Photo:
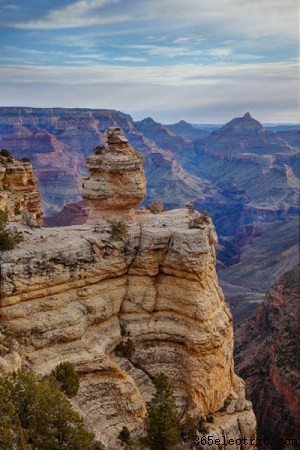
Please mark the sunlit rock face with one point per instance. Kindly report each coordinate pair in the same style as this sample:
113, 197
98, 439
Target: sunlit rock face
116, 183
18, 190
69, 293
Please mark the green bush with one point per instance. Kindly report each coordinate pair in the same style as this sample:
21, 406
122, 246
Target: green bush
9, 237
3, 217
201, 426
118, 230
17, 210
35, 415
4, 152
124, 436
123, 329
25, 159
198, 221
67, 378
6, 344
97, 445
125, 349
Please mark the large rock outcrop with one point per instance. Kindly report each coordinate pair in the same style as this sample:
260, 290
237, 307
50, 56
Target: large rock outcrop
18, 190
74, 294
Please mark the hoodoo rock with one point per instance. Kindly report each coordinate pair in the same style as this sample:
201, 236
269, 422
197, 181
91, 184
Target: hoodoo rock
116, 183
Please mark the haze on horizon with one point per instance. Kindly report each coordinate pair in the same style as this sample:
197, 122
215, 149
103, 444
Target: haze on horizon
198, 60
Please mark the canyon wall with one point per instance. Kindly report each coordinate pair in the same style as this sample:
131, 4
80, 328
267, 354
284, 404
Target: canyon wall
267, 357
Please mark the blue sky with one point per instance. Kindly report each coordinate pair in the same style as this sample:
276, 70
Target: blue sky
205, 61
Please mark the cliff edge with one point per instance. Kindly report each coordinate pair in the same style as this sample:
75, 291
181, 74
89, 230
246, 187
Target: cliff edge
75, 293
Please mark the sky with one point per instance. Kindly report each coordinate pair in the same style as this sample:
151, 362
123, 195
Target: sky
204, 61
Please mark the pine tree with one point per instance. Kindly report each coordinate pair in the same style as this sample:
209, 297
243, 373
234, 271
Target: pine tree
163, 431
36, 415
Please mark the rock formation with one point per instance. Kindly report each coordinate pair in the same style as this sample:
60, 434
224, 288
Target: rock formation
18, 190
75, 293
247, 175
267, 357
117, 181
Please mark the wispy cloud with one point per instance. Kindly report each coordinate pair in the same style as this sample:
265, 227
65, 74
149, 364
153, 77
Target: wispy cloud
234, 17
10, 6
79, 14
197, 93
129, 59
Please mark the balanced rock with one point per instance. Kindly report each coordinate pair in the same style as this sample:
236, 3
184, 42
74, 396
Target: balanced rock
116, 183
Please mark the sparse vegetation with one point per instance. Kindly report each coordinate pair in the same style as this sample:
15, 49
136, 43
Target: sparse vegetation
6, 344
3, 216
227, 402
17, 209
5, 153
198, 221
98, 446
124, 436
67, 378
36, 415
25, 160
201, 426
125, 349
9, 237
99, 150
163, 428
118, 230
123, 329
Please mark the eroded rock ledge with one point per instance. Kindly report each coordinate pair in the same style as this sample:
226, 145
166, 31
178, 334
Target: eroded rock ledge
18, 190
65, 292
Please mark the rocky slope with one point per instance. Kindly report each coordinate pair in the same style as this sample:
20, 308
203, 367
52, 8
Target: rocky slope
267, 357
76, 293
184, 129
18, 190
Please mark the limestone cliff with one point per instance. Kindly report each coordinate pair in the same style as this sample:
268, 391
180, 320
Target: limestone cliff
18, 190
69, 293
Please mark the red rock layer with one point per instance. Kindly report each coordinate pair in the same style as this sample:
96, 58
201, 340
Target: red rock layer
267, 357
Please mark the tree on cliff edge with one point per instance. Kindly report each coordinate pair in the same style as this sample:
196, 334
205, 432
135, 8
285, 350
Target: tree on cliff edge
36, 415
163, 428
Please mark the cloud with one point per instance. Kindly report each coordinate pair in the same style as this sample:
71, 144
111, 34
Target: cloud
129, 59
215, 94
238, 18
79, 14
10, 6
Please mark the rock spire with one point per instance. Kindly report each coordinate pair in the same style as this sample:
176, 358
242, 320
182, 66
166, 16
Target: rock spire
116, 183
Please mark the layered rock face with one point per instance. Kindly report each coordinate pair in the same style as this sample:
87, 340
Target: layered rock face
75, 293
267, 356
18, 190
117, 181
